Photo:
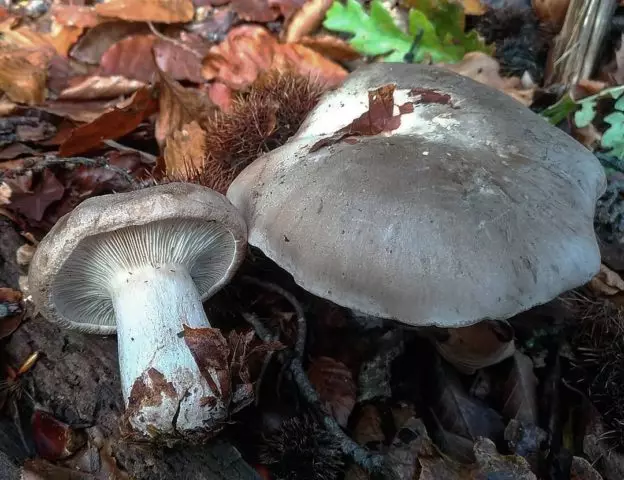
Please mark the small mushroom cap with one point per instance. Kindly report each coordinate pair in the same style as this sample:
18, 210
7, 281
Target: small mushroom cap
175, 223
472, 209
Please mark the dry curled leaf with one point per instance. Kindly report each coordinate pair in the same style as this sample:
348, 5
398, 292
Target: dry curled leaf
182, 59
23, 74
160, 11
551, 11
255, 10
520, 391
250, 50
477, 346
97, 40
331, 47
607, 282
473, 7
211, 352
185, 150
32, 201
113, 124
100, 88
131, 58
484, 69
306, 20
179, 106
335, 385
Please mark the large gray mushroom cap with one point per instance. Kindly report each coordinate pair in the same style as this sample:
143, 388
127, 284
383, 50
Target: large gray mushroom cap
471, 209
175, 223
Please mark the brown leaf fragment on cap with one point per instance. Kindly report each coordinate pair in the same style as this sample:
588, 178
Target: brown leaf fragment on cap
378, 119
211, 353
428, 95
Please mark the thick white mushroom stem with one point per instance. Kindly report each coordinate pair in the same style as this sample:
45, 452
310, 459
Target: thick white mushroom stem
164, 390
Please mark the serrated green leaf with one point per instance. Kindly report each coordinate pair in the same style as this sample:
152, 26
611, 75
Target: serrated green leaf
619, 104
613, 137
374, 34
586, 114
440, 22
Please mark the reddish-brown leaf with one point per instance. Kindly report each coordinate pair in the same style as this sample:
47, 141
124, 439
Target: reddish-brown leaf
79, 111
185, 150
111, 125
250, 50
54, 440
255, 10
179, 106
97, 40
33, 203
551, 11
160, 11
131, 57
211, 352
335, 385
182, 59
379, 118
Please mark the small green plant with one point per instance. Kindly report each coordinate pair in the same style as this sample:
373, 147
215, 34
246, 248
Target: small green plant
584, 111
436, 31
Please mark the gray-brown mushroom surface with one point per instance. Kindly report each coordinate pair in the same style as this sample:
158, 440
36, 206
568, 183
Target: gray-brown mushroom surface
416, 194
140, 264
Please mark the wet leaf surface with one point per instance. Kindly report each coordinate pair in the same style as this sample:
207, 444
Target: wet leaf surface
335, 385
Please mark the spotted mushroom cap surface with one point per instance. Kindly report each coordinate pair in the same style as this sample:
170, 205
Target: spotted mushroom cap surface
174, 223
465, 206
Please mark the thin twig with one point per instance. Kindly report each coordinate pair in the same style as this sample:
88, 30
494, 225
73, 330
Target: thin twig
124, 148
360, 455
51, 161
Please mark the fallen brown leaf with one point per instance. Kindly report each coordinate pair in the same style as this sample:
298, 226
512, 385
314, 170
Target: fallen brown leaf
76, 16
100, 88
182, 59
484, 69
111, 125
477, 346
15, 150
607, 282
185, 150
331, 47
33, 203
335, 385
23, 74
457, 413
97, 40
520, 391
7, 107
78, 111
53, 439
255, 10
402, 456
63, 37
473, 7
211, 352
491, 463
160, 11
306, 20
249, 50
179, 106
581, 469
131, 58
551, 11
